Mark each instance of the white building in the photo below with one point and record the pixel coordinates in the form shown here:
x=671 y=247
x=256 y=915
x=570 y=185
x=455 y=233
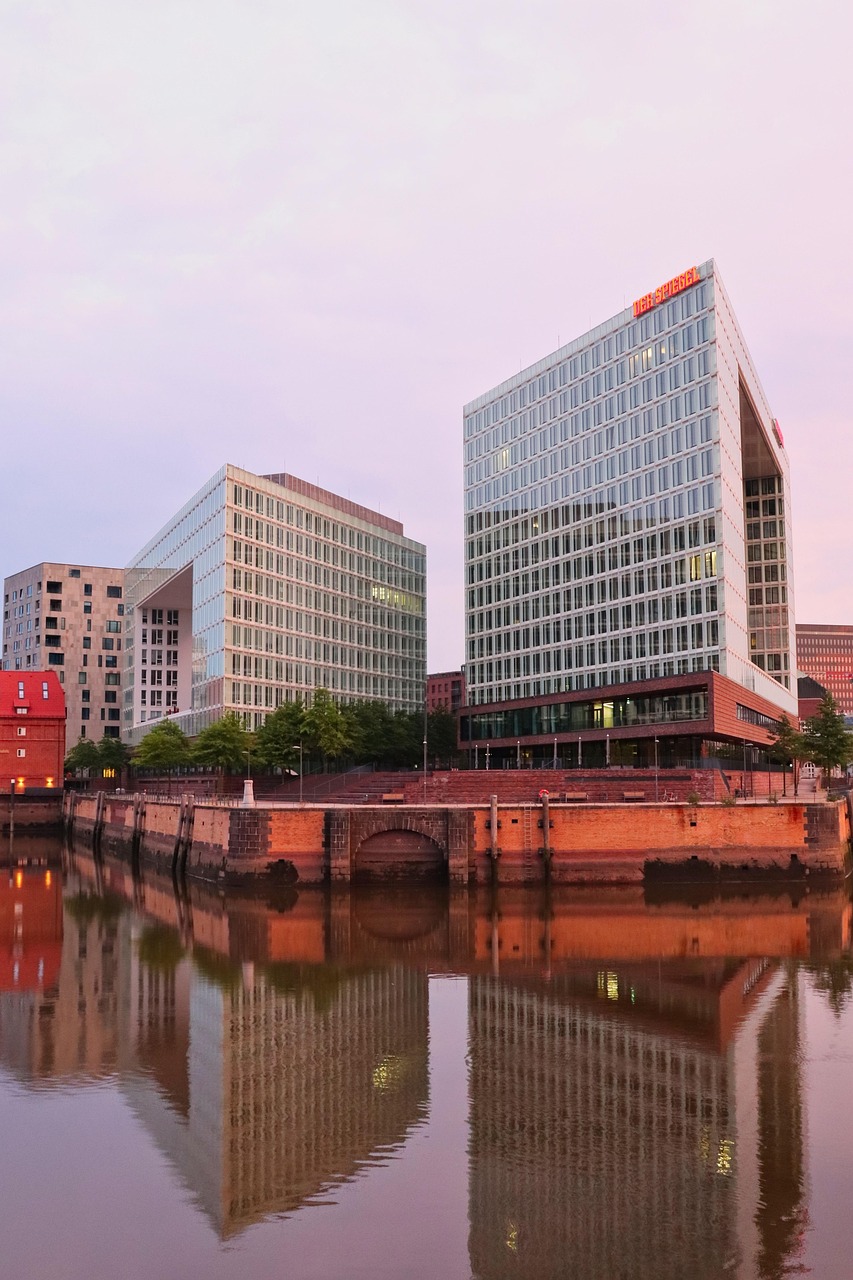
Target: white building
x=628 y=515
x=263 y=588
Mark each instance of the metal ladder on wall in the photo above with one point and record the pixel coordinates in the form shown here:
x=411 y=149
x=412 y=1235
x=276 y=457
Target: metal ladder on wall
x=528 y=829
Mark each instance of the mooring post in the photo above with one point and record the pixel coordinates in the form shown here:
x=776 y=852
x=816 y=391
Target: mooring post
x=494 y=849
x=546 y=832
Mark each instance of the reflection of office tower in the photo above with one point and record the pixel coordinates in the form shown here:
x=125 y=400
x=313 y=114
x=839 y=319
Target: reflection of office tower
x=297 y=1079
x=781 y=1213
x=608 y=1141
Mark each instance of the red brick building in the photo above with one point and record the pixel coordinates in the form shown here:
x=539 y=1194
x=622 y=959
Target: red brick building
x=32 y=731
x=445 y=691
x=825 y=653
x=695 y=720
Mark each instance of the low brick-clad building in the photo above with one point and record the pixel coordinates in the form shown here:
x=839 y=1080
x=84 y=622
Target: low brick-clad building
x=32 y=731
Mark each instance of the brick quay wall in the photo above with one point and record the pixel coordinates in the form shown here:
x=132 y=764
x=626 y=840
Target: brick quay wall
x=566 y=841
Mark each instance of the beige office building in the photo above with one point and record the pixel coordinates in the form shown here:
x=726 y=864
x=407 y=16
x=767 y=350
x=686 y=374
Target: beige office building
x=68 y=618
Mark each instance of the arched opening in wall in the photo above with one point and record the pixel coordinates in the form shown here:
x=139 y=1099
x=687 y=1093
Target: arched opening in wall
x=392 y=913
x=398 y=855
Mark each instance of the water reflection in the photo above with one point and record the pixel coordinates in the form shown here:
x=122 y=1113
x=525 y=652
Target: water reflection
x=634 y=1094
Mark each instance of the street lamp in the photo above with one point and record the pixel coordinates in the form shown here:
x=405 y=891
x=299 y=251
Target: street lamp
x=425 y=766
x=580 y=752
x=297 y=746
x=607 y=750
x=517 y=754
x=555 y=754
x=656 y=769
x=248 y=789
x=488 y=753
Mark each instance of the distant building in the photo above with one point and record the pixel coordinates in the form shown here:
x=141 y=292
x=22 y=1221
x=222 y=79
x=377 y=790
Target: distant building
x=445 y=691
x=32 y=731
x=825 y=653
x=67 y=618
x=259 y=590
x=628 y=544
x=809 y=697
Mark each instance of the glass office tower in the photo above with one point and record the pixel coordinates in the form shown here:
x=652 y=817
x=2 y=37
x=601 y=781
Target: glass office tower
x=263 y=588
x=627 y=512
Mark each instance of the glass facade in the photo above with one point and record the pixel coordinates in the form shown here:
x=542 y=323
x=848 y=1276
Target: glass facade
x=605 y=490
x=286 y=587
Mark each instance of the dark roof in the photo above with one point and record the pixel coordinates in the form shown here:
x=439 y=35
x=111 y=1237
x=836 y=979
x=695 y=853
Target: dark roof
x=809 y=688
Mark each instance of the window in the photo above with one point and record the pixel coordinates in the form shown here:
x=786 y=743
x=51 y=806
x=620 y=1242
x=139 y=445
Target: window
x=22 y=731
x=87 y=588
x=74 y=573
x=108 y=643
x=53 y=588
x=56 y=659
x=113 y=625
x=21 y=752
x=113 y=593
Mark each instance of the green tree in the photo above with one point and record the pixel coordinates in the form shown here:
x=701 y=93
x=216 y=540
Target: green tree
x=277 y=741
x=83 y=755
x=165 y=746
x=225 y=744
x=112 y=753
x=789 y=747
x=325 y=727
x=441 y=735
x=827 y=742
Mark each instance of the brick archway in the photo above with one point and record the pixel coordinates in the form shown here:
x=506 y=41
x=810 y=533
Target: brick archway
x=395 y=854
x=412 y=838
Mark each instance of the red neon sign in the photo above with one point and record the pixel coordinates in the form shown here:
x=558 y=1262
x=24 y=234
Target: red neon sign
x=668 y=290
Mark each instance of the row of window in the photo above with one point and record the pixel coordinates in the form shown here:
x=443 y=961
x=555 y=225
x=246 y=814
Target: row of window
x=543 y=685
x=496 y=622
x=312 y=523
x=569 y=717
x=616 y=649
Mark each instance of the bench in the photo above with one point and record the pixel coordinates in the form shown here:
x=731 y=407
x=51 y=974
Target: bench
x=631 y=797
x=576 y=797
x=394 y=797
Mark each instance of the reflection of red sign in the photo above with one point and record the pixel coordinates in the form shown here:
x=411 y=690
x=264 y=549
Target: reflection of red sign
x=777 y=431
x=668 y=290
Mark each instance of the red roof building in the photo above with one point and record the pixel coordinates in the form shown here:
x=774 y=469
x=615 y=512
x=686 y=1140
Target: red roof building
x=32 y=731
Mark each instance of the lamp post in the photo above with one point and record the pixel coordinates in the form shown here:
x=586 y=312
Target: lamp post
x=476 y=755
x=488 y=753
x=248 y=788
x=607 y=750
x=555 y=755
x=656 y=769
x=580 y=752
x=425 y=766
x=517 y=753
x=297 y=746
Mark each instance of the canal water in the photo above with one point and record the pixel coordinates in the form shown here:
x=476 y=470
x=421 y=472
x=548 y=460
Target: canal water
x=602 y=1085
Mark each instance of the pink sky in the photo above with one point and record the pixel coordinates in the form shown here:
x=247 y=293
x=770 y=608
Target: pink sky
x=300 y=235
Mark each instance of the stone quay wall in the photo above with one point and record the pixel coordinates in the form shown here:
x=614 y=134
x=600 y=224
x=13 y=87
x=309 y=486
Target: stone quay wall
x=565 y=842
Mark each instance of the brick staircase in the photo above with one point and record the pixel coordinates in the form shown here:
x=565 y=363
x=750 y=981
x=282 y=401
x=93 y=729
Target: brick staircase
x=523 y=786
